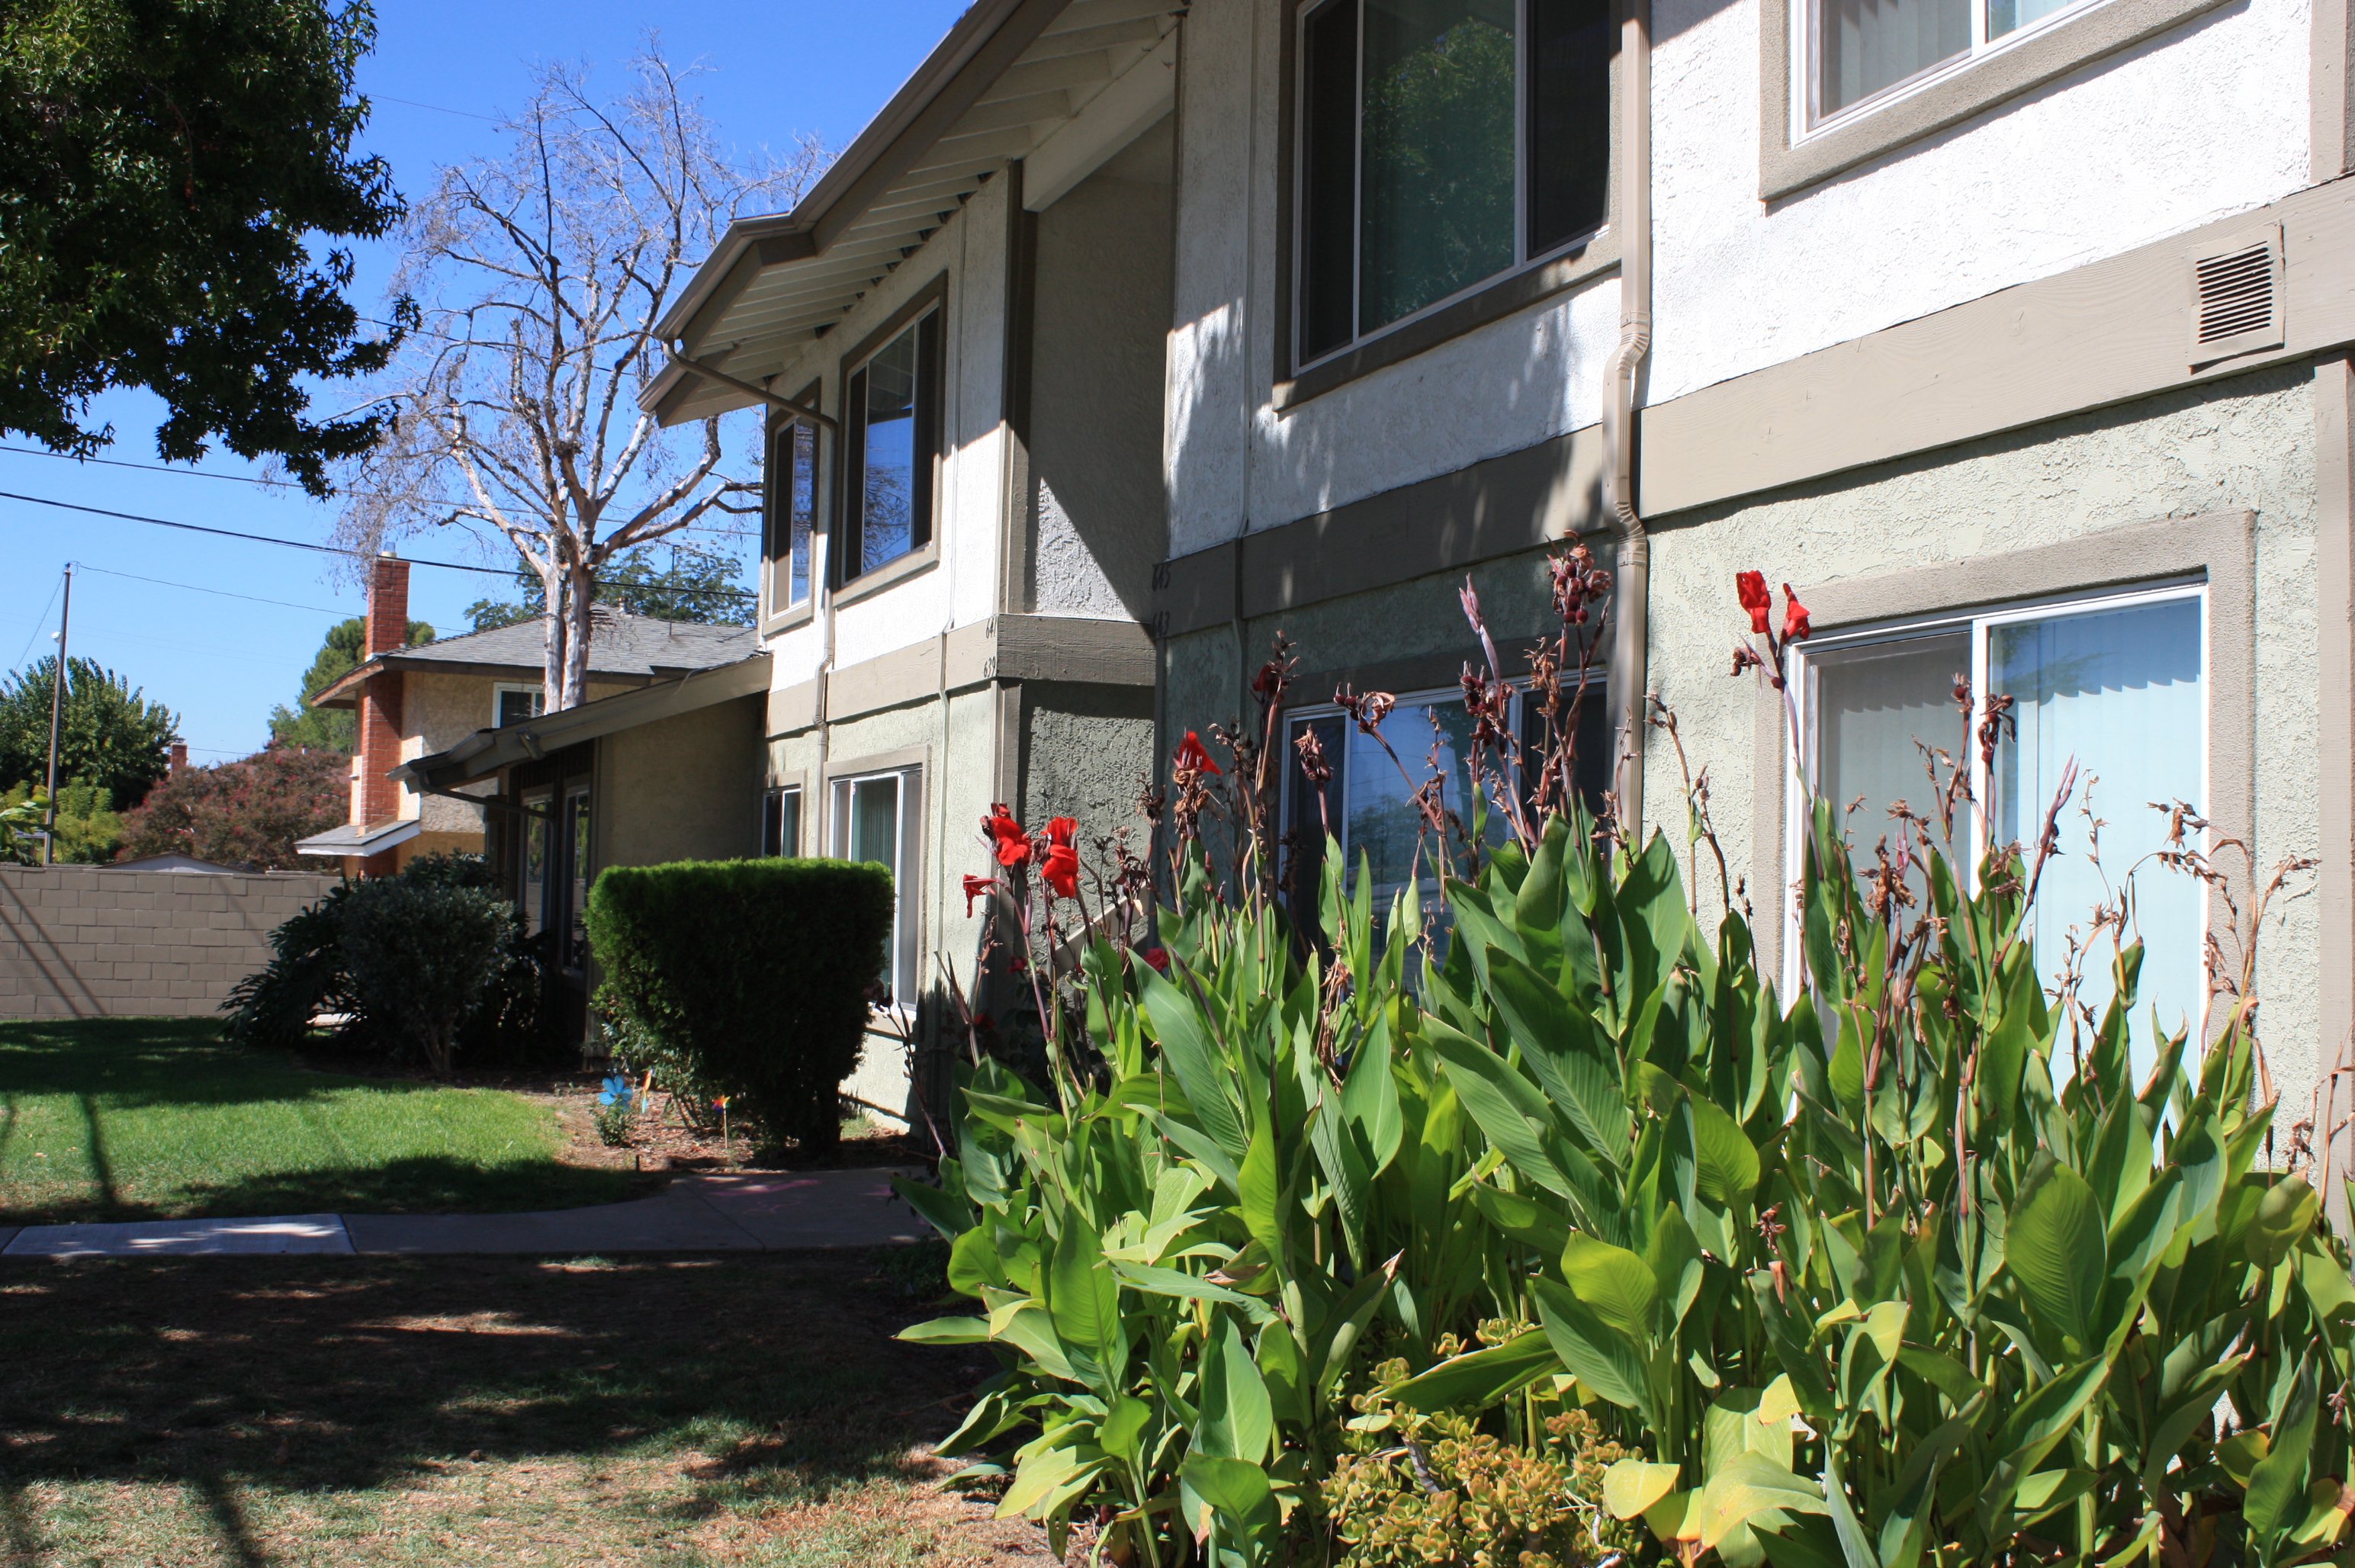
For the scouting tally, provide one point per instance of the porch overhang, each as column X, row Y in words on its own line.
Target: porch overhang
column 487, row 752
column 346, row 839
column 1005, row 79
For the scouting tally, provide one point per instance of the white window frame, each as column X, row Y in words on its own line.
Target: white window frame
column 776, row 523
column 1522, row 263
column 1977, row 624
column 787, row 849
column 906, row 956
column 1806, row 32
column 501, row 689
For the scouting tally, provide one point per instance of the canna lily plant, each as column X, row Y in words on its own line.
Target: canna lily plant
column 1912, row 1270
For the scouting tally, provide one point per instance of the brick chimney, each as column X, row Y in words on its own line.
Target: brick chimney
column 179, row 755
column 375, row 798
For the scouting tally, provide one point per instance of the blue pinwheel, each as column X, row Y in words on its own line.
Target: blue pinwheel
column 619, row 1091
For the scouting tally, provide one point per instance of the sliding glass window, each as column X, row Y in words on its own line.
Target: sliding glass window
column 1862, row 51
column 893, row 441
column 793, row 510
column 1441, row 144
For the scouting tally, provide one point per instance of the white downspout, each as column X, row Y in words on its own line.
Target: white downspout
column 1629, row 671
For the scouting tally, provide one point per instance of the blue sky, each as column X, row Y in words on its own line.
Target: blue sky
column 440, row 74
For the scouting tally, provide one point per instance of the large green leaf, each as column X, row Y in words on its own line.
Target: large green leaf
column 2277, row 1486
column 1508, row 1107
column 1083, row 1296
column 1607, row 1360
column 1748, row 1483
column 1478, row 1379
column 1614, row 1283
column 1566, row 1051
column 1726, row 1161
column 2057, row 1250
column 1188, row 1047
column 1238, row 1421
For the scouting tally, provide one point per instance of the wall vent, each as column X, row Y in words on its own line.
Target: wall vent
column 2236, row 296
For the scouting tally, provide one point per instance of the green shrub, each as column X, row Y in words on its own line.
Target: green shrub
column 307, row 977
column 748, row 978
column 422, row 957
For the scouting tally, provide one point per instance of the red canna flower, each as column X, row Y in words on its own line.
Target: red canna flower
column 1796, row 628
column 976, row 888
column 1006, row 838
column 1756, row 599
column 1062, row 830
column 1193, row 757
column 1158, row 959
column 1062, row 870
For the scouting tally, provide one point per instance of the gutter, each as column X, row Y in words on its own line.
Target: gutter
column 1630, row 666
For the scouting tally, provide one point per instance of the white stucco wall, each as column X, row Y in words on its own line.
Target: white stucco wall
column 2207, row 120
column 1234, row 462
column 960, row 588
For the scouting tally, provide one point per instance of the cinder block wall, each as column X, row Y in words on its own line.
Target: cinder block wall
column 85, row 942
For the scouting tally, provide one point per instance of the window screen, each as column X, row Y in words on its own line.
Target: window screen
column 895, row 424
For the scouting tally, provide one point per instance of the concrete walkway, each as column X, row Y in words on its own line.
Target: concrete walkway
column 770, row 1211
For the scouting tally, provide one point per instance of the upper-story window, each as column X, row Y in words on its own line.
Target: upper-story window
column 793, row 510
column 1859, row 50
column 512, row 702
column 1442, row 143
column 891, row 449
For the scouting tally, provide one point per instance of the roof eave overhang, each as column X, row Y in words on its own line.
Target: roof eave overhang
column 989, row 37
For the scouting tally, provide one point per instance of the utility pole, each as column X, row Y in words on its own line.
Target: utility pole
column 57, row 715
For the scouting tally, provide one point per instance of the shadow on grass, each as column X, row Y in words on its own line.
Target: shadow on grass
column 141, row 1063
column 353, row 1374
column 415, row 1185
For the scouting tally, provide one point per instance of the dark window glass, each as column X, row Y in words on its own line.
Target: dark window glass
column 575, row 886
column 895, row 401
column 516, row 706
column 1441, row 144
column 1328, row 120
column 1591, row 772
column 1437, row 148
column 1570, row 119
column 793, row 512
column 781, row 823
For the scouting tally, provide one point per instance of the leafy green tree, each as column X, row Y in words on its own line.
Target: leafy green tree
column 331, row 729
column 112, row 735
column 162, row 166
column 252, row 812
column 697, row 585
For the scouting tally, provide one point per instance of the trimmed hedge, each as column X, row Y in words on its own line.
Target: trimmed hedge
column 748, row 978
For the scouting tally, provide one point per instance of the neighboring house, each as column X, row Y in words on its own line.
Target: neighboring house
column 2015, row 337
column 417, row 701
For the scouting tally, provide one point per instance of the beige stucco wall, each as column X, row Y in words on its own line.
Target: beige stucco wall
column 438, row 710
column 2247, row 444
column 683, row 788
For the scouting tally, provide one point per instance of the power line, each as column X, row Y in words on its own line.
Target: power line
column 218, row 592
column 42, row 619
column 291, row 484
column 508, row 572
column 411, row 103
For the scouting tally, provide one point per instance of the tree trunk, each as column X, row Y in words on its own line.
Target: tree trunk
column 551, row 635
column 579, row 589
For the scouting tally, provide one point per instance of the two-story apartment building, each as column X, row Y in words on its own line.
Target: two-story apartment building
column 958, row 336
column 2013, row 336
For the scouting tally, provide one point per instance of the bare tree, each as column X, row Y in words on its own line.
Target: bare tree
column 540, row 276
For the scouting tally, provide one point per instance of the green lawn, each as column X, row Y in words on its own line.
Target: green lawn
column 134, row 1118
column 363, row 1412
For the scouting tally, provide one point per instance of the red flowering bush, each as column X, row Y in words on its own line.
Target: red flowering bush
column 252, row 812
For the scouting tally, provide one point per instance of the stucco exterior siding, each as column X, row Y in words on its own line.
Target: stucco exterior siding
column 1236, row 461
column 2204, row 121
column 2244, row 444
column 1097, row 502
column 682, row 788
column 961, row 585
column 1087, row 751
column 2247, row 444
